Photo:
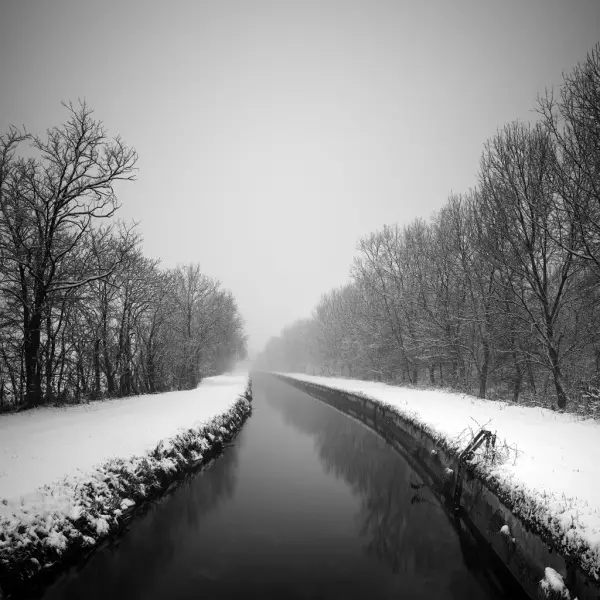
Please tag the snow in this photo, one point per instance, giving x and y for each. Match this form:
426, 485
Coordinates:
57, 540
41, 446
553, 585
554, 460
67, 475
127, 503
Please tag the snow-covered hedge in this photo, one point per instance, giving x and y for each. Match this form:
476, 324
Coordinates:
70, 517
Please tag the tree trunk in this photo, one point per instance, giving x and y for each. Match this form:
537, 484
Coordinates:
50, 350
561, 395
151, 371
483, 374
108, 369
518, 377
531, 377
126, 376
82, 378
96, 392
33, 393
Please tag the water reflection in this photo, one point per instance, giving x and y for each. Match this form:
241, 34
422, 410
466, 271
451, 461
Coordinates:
136, 565
400, 519
395, 505
307, 504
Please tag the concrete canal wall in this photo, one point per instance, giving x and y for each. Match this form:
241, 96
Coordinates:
525, 552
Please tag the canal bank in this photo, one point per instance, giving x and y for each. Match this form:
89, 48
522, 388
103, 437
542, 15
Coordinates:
64, 523
307, 503
528, 551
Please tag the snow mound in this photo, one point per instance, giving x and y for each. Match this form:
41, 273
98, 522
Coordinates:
553, 586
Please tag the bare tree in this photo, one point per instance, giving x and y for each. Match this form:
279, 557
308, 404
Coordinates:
500, 287
48, 203
573, 121
517, 194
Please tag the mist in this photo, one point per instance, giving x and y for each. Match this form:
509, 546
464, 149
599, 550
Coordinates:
272, 136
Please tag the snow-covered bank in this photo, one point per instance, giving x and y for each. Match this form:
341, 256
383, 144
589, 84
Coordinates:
551, 479
69, 476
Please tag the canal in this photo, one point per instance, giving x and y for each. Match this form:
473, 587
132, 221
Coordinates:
307, 503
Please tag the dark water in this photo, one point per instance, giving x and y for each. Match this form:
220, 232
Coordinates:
307, 504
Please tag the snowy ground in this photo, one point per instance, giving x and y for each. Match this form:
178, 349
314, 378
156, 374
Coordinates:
41, 446
557, 459
68, 475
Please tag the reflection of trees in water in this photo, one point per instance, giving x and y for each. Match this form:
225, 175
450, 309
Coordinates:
155, 541
399, 522
400, 518
402, 523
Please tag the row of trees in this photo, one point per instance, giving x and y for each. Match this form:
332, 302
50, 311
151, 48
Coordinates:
500, 288
83, 313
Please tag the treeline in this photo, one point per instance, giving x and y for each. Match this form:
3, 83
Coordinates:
83, 313
500, 289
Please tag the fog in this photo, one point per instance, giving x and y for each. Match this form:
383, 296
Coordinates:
273, 135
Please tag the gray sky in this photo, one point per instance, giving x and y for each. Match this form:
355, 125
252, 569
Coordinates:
272, 135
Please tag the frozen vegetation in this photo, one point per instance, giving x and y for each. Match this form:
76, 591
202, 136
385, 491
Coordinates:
497, 294
547, 472
84, 314
68, 477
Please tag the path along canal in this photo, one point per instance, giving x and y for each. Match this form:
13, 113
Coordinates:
307, 503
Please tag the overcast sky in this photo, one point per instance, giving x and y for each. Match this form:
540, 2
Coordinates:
272, 135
